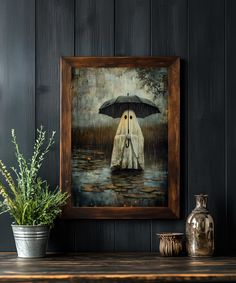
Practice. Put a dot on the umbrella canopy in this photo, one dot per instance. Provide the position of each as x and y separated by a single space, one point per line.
141 106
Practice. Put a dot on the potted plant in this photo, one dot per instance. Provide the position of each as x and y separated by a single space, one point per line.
29 200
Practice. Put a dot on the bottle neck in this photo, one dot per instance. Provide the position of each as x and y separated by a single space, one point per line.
201 202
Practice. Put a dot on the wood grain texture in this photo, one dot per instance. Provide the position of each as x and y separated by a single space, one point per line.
62 236
174 138
17 88
171 212
94 34
171 29
65 131
95 236
132 267
132 37
54 38
132 27
172 209
206 110
120 61
132 235
169 36
230 138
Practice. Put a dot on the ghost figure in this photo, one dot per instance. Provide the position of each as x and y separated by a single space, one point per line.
128 147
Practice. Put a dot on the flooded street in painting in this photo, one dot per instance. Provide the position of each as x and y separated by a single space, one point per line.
93 183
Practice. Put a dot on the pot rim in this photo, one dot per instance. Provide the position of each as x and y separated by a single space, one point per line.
170 234
29 226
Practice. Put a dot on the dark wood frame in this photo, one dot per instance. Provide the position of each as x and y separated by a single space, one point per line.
173 208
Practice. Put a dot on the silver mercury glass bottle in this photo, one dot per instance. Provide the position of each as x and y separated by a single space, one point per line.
200 229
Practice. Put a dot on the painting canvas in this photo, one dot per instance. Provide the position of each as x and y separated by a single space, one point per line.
119 135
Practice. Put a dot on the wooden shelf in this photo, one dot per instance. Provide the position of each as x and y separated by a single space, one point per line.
119 267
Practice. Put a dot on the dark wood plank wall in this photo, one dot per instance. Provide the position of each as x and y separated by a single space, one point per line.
230 118
94 36
17 87
206 112
33 36
169 34
132 37
54 38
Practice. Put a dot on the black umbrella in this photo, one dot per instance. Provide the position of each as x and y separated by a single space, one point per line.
141 106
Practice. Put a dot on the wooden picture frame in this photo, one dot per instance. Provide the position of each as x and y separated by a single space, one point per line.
172 65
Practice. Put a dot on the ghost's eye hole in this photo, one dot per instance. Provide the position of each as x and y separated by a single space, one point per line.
125 116
131 117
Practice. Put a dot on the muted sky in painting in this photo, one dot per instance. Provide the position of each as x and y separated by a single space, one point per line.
94 86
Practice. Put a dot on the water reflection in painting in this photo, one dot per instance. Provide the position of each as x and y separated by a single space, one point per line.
119 137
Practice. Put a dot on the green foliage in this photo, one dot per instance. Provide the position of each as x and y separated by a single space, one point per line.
29 200
156 82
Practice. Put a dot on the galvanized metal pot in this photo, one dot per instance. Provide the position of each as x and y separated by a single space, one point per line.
31 241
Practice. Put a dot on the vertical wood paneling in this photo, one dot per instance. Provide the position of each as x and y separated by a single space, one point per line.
169 22
206 110
63 236
132 235
95 236
17 87
54 38
94 36
231 121
132 37
132 28
192 29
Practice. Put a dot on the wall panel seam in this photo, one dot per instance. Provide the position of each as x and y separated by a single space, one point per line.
114 53
35 68
74 26
114 29
226 121
187 111
150 15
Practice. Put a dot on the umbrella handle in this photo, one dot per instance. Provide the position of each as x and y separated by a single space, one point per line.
127 143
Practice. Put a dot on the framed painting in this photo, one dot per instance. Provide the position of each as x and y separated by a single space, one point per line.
120 137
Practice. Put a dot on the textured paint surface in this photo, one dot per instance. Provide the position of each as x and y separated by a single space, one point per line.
95 138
